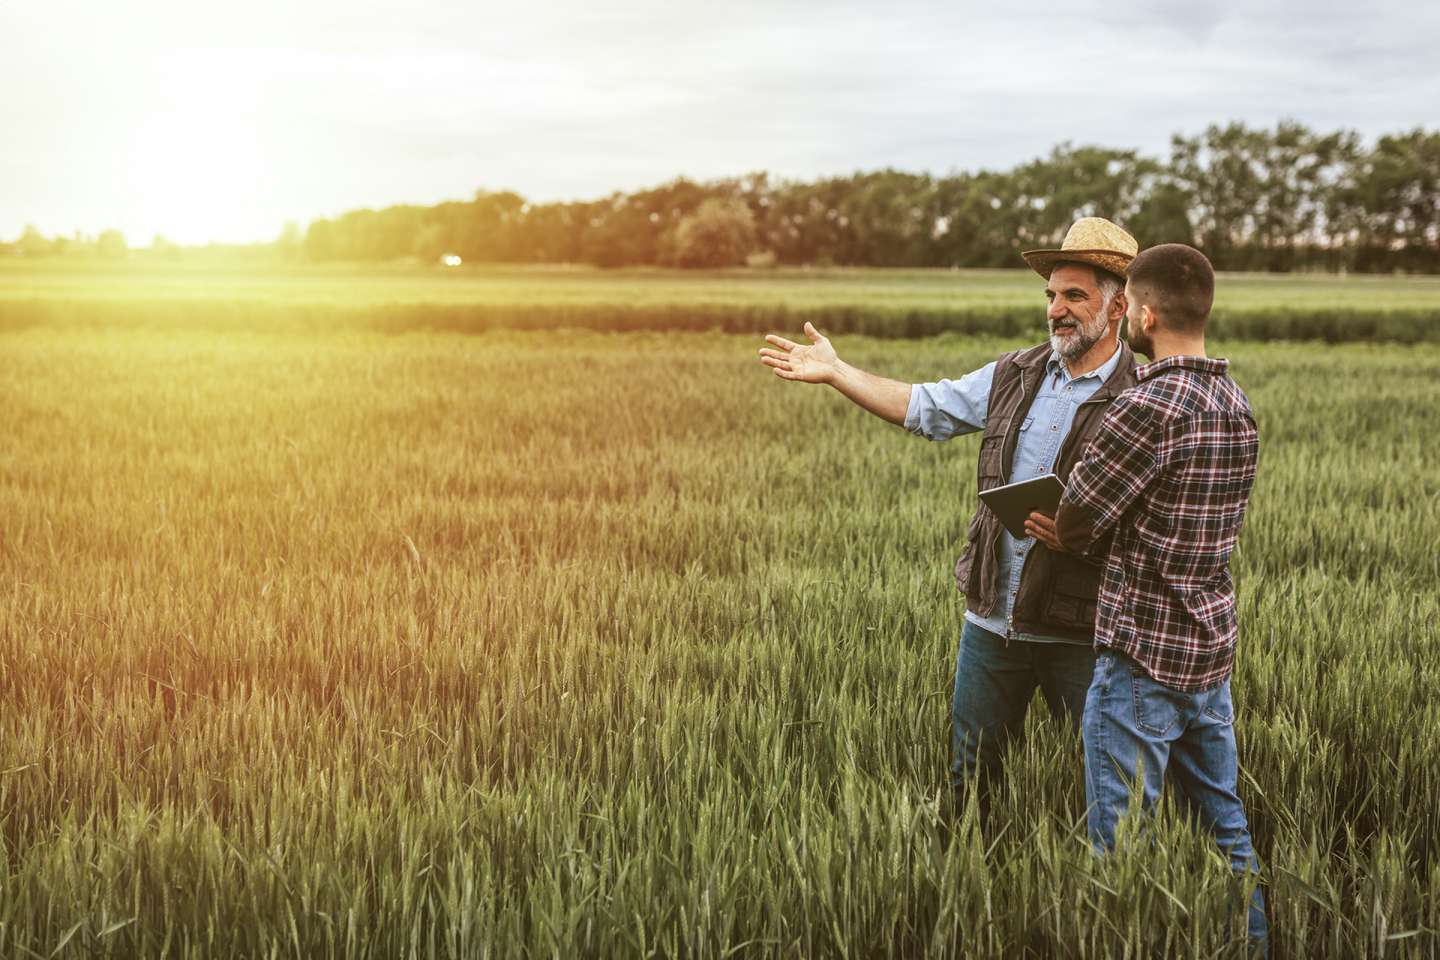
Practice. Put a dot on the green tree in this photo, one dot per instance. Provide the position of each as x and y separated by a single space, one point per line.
1221 174
1053 192
978 220
1164 214
1277 198
885 219
1298 173
1398 188
720 233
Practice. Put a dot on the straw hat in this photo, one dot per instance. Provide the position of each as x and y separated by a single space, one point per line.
1093 240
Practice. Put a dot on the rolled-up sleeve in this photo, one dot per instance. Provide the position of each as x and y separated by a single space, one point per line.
950 408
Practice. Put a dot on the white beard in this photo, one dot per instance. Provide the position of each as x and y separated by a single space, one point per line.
1083 337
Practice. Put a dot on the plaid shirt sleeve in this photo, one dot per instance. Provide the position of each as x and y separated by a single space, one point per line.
1120 462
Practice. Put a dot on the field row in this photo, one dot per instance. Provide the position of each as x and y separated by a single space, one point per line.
879 303
523 644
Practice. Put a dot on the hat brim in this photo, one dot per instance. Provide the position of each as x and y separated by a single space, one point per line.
1043 261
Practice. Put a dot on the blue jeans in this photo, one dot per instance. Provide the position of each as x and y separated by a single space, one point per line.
994 683
1136 728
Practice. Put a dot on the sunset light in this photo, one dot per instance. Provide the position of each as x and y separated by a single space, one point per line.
650 479
198 165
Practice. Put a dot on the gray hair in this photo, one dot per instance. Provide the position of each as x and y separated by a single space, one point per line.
1109 284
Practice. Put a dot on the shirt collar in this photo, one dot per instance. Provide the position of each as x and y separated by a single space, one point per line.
1216 366
1053 366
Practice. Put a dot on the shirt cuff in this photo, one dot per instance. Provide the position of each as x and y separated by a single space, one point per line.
912 411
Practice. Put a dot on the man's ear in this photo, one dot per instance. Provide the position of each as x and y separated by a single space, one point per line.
1118 306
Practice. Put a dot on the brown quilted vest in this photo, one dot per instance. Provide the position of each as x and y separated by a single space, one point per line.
1057 594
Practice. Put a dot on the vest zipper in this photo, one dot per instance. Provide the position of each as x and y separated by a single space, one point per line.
995 549
1010 621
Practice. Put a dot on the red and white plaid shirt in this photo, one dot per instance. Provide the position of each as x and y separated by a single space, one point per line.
1170 470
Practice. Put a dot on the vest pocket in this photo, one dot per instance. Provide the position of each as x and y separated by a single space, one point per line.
1071 593
990 470
967 556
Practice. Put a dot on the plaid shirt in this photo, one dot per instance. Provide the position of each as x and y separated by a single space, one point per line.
1170 469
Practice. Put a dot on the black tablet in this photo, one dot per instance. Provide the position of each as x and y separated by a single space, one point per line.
1014 502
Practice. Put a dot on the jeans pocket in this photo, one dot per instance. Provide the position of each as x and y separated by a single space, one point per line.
1155 708
1219 707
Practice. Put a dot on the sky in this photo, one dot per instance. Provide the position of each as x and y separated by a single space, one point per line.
220 122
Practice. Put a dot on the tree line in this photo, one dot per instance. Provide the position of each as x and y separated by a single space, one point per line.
1268 199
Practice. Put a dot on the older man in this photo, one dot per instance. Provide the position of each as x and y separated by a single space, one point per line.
1030 611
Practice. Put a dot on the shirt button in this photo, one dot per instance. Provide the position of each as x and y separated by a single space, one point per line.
1054 426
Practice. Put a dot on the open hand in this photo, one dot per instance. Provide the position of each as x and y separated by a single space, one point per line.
814 363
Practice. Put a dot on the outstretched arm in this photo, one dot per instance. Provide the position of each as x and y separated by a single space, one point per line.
818 363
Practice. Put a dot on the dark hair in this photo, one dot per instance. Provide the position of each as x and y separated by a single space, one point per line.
1177 282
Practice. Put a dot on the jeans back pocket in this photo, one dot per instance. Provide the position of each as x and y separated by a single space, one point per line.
1219 707
1156 709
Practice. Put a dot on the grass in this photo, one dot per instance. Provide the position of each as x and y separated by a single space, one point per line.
329 642
885 303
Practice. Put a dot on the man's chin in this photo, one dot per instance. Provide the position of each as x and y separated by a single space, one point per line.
1070 348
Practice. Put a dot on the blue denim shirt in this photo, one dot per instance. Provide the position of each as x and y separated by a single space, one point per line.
950 408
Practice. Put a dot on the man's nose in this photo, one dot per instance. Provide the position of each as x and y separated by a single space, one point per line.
1057 309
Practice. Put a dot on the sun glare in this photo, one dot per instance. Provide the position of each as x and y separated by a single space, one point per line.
196 165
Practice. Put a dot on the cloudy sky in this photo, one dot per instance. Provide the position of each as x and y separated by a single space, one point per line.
222 121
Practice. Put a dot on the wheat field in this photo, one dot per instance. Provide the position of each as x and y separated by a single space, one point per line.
330 642
245 296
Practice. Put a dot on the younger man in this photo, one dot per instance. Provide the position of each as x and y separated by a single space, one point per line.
1169 470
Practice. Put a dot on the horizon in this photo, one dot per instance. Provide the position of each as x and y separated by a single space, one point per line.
219 126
